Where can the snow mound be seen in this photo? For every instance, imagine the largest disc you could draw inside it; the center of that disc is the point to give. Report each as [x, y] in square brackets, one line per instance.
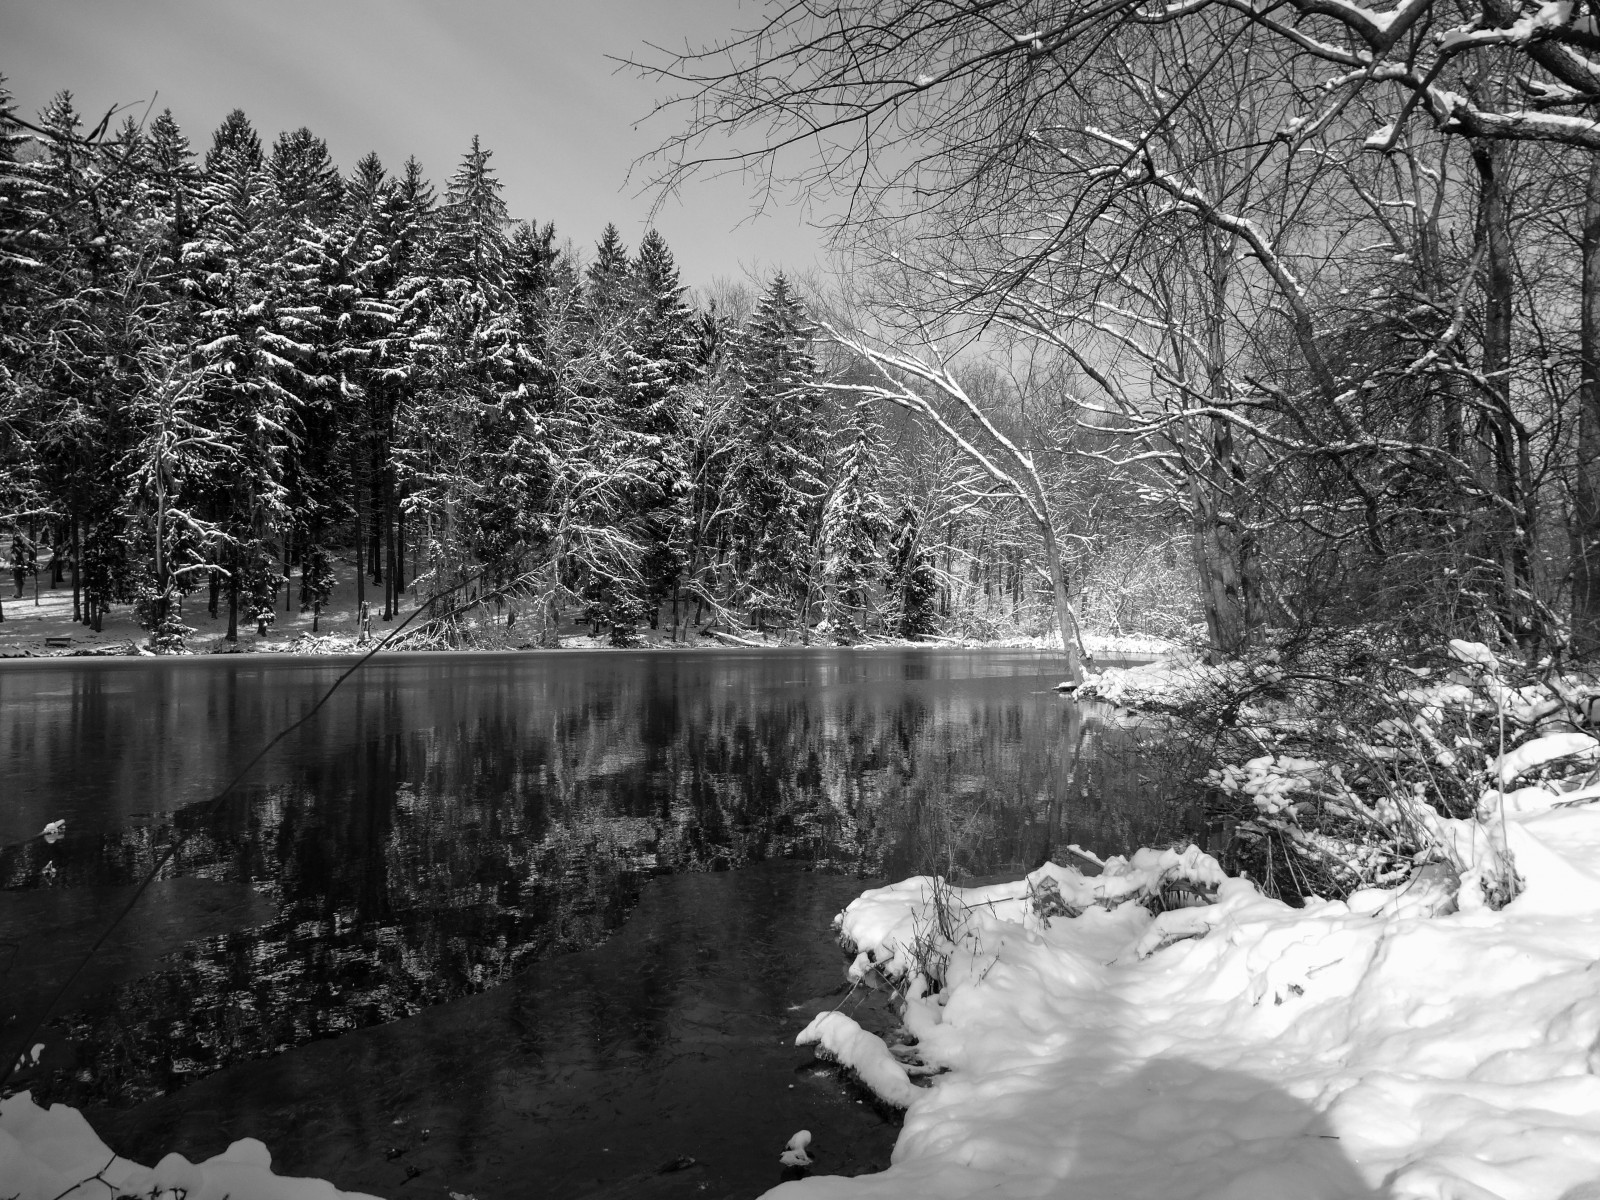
[1243, 1048]
[53, 1154]
[1166, 684]
[851, 1046]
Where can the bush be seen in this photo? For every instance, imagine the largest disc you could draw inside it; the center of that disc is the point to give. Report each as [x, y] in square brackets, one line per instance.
[1340, 762]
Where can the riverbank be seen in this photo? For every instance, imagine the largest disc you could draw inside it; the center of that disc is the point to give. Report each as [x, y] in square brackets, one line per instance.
[40, 625]
[1243, 1048]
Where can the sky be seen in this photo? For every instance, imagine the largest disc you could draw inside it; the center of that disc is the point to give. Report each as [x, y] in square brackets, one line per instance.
[404, 77]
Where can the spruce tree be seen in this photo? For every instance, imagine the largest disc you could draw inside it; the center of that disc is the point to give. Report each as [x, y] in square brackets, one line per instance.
[911, 586]
[255, 340]
[855, 525]
[777, 487]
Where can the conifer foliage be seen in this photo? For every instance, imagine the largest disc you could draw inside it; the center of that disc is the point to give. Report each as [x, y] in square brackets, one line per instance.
[223, 376]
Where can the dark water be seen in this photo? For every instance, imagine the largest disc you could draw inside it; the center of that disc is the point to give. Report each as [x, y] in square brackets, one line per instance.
[643, 851]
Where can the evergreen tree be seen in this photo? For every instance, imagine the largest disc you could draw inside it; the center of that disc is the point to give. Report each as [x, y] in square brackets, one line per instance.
[80, 334]
[657, 362]
[911, 586]
[254, 343]
[171, 189]
[317, 255]
[855, 524]
[777, 487]
[398, 349]
[606, 279]
[473, 482]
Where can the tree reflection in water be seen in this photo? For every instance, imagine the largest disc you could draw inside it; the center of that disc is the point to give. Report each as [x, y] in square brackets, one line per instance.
[454, 820]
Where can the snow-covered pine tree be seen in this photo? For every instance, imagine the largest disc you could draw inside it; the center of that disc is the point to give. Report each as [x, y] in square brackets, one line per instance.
[855, 526]
[256, 352]
[171, 189]
[606, 464]
[19, 474]
[82, 291]
[397, 344]
[778, 486]
[658, 363]
[317, 259]
[605, 279]
[910, 585]
[476, 485]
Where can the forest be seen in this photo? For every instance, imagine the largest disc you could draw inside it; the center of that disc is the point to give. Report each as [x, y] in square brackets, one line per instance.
[1194, 328]
[1308, 287]
[225, 375]
[1318, 285]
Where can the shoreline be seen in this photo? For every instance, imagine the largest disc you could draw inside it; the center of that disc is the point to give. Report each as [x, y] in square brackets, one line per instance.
[118, 646]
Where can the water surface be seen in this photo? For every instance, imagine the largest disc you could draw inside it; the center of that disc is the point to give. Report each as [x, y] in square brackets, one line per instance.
[319, 964]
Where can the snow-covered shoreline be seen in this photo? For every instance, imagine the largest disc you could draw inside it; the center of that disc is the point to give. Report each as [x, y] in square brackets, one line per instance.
[344, 647]
[1244, 1048]
[53, 1154]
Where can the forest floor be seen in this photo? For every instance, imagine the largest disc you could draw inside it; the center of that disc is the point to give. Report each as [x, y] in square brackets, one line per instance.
[40, 625]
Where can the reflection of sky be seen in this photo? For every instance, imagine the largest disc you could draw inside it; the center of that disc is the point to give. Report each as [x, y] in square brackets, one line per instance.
[405, 77]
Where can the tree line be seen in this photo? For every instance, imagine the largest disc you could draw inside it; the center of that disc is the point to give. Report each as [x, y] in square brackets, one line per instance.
[220, 371]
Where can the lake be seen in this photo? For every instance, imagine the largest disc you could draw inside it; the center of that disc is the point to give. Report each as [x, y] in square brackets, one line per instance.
[514, 924]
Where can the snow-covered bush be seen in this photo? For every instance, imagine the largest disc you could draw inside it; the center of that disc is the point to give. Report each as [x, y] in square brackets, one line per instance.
[1339, 764]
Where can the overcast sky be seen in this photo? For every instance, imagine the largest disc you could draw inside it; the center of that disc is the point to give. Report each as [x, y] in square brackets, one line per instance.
[530, 77]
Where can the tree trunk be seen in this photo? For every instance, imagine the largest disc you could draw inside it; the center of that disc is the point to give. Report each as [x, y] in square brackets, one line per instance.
[391, 589]
[1509, 537]
[233, 595]
[1066, 619]
[77, 577]
[361, 570]
[1586, 478]
[375, 524]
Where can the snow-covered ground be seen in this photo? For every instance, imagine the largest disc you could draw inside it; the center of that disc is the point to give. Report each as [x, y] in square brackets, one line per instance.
[35, 625]
[37, 617]
[1244, 1048]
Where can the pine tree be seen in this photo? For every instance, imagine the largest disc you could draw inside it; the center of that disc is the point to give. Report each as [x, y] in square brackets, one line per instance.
[911, 586]
[606, 283]
[855, 525]
[472, 482]
[318, 302]
[657, 362]
[79, 336]
[254, 341]
[777, 487]
[171, 191]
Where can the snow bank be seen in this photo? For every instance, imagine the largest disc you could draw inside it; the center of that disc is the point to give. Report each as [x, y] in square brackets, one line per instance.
[1166, 684]
[1244, 1048]
[842, 1040]
[53, 1154]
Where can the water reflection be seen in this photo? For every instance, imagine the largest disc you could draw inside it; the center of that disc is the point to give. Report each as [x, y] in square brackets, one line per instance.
[451, 820]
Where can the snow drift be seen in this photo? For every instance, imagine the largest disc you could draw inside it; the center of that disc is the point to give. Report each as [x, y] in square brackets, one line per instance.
[1242, 1048]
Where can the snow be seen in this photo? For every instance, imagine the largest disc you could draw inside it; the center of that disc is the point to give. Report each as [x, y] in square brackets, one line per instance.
[1244, 1048]
[841, 1039]
[1537, 752]
[33, 620]
[53, 1154]
[794, 1154]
